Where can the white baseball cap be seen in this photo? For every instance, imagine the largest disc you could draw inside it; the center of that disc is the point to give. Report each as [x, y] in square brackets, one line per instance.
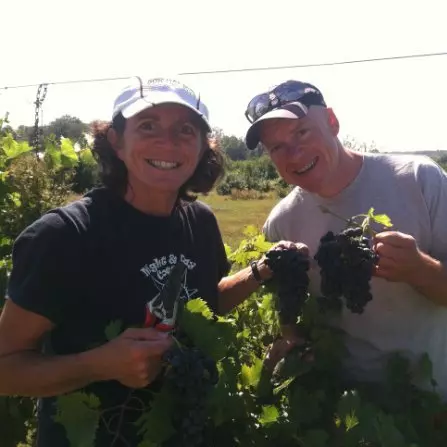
[139, 96]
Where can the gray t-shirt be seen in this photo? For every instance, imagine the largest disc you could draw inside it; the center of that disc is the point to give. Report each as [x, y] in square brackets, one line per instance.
[412, 191]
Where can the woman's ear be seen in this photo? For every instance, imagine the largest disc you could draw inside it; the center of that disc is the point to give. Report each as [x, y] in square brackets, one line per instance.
[114, 140]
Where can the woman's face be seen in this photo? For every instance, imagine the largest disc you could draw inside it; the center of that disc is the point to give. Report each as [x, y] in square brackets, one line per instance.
[161, 147]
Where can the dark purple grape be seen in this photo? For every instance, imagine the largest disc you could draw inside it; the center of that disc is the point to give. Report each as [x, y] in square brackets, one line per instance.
[290, 281]
[346, 263]
[192, 375]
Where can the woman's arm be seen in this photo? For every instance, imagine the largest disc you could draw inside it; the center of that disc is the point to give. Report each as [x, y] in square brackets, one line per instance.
[235, 289]
[133, 358]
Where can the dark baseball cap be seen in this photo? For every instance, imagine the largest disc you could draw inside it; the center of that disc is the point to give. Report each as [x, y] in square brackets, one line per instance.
[290, 99]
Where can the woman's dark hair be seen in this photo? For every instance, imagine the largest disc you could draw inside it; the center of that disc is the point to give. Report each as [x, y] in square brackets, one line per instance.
[113, 171]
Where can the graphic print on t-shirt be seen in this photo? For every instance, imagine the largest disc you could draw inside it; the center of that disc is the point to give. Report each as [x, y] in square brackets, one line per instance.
[158, 271]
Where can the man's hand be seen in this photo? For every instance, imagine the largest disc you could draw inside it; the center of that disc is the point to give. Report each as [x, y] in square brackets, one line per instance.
[283, 345]
[279, 349]
[133, 358]
[400, 258]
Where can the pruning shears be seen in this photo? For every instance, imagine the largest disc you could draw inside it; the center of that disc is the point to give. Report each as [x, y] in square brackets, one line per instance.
[161, 312]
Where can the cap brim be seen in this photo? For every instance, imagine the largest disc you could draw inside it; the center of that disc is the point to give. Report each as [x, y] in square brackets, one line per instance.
[252, 135]
[157, 99]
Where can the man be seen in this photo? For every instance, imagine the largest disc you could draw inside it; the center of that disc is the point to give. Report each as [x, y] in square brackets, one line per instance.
[408, 312]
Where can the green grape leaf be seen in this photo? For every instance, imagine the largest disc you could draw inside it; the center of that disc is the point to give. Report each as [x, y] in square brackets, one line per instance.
[305, 405]
[69, 157]
[79, 414]
[196, 320]
[269, 414]
[13, 148]
[15, 198]
[383, 219]
[261, 244]
[155, 425]
[252, 373]
[250, 231]
[228, 250]
[199, 306]
[387, 432]
[53, 156]
[113, 329]
[349, 403]
[86, 156]
[315, 438]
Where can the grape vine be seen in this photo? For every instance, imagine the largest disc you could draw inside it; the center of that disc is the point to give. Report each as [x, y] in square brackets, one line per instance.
[29, 186]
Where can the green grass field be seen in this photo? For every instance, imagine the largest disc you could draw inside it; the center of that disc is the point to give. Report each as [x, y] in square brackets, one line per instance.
[234, 215]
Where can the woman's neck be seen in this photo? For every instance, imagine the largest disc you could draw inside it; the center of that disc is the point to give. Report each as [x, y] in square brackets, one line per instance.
[153, 202]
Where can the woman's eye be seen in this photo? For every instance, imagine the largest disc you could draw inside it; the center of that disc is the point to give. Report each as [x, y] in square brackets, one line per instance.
[188, 129]
[147, 125]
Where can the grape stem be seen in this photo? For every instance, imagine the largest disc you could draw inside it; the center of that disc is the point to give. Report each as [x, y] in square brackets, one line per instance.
[179, 345]
[365, 225]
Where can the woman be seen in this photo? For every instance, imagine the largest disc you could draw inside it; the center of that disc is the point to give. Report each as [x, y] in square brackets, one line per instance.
[105, 257]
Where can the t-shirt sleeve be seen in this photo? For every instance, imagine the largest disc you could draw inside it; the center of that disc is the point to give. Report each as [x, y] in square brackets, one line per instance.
[269, 230]
[43, 267]
[215, 240]
[223, 264]
[433, 181]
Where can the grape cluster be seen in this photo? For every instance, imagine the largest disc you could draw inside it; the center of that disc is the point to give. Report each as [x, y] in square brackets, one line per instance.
[289, 267]
[192, 375]
[346, 264]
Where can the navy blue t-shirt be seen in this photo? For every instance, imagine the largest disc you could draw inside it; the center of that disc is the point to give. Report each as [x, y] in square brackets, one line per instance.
[97, 260]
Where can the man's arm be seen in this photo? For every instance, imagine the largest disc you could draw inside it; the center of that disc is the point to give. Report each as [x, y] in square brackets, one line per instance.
[400, 257]
[431, 280]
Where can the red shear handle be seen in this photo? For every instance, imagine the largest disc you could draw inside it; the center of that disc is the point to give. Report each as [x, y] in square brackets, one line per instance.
[151, 321]
[163, 327]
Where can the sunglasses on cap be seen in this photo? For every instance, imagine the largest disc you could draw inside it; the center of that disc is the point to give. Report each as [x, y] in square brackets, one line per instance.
[282, 94]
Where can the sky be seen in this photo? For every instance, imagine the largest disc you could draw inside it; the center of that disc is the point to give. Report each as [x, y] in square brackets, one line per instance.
[397, 105]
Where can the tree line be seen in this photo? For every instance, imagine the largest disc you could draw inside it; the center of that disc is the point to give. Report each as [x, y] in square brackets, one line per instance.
[249, 174]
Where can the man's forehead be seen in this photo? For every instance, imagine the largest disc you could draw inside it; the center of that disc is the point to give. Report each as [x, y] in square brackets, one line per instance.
[277, 128]
[279, 124]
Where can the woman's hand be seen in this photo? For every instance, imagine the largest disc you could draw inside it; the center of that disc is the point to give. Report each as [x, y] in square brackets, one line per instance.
[134, 358]
[265, 271]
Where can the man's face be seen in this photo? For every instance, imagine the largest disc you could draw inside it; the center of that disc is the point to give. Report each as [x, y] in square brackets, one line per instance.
[304, 150]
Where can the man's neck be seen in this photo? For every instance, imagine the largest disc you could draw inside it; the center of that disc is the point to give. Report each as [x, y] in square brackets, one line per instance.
[349, 166]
